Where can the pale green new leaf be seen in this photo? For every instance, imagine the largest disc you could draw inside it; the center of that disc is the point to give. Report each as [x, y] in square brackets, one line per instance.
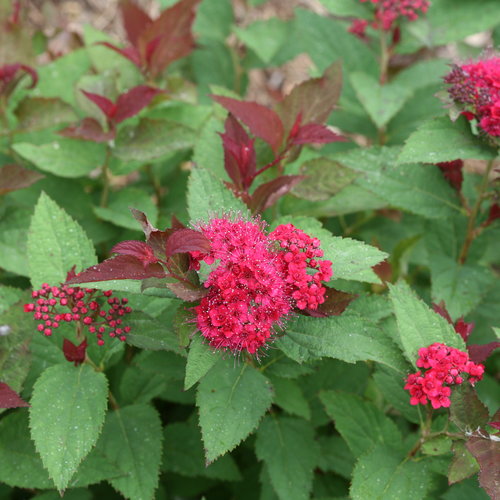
[360, 422]
[231, 401]
[290, 453]
[418, 325]
[132, 436]
[66, 416]
[199, 361]
[56, 243]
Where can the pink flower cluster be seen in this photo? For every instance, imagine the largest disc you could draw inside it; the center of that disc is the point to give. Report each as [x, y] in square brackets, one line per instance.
[387, 13]
[253, 285]
[476, 88]
[82, 307]
[445, 365]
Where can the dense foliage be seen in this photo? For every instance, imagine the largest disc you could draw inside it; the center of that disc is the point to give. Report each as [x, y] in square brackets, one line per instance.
[205, 296]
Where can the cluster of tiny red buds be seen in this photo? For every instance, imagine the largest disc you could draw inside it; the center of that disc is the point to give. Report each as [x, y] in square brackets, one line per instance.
[65, 304]
[475, 87]
[444, 365]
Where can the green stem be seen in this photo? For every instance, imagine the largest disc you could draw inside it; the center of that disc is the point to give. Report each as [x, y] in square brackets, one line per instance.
[105, 178]
[471, 224]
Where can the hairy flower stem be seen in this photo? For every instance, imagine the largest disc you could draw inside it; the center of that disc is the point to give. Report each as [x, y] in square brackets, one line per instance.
[105, 178]
[471, 224]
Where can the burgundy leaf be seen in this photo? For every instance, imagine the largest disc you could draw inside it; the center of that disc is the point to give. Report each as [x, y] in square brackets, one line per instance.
[14, 177]
[10, 398]
[313, 99]
[74, 353]
[88, 129]
[158, 242]
[452, 171]
[442, 311]
[270, 192]
[467, 411]
[262, 122]
[143, 220]
[239, 153]
[104, 104]
[187, 240]
[383, 270]
[493, 214]
[464, 329]
[315, 133]
[130, 103]
[135, 20]
[480, 352]
[176, 223]
[137, 249]
[187, 293]
[131, 53]
[335, 304]
[121, 267]
[487, 452]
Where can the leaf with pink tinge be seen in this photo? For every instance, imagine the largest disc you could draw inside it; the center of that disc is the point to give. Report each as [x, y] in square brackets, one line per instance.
[88, 129]
[480, 352]
[269, 193]
[464, 329]
[9, 398]
[487, 452]
[133, 101]
[135, 20]
[14, 177]
[138, 249]
[187, 240]
[262, 122]
[121, 267]
[104, 104]
[315, 133]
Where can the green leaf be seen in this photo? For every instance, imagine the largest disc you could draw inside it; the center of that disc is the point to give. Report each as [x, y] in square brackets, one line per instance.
[290, 453]
[183, 454]
[152, 140]
[335, 456]
[231, 401]
[349, 338]
[200, 359]
[214, 19]
[132, 437]
[13, 240]
[440, 140]
[439, 445]
[289, 396]
[118, 210]
[207, 197]
[343, 8]
[381, 102]
[66, 418]
[208, 152]
[463, 465]
[383, 473]
[466, 409]
[9, 296]
[324, 178]
[56, 243]
[63, 157]
[418, 325]
[360, 422]
[38, 113]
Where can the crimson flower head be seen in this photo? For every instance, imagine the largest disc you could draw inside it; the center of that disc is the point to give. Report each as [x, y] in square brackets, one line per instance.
[475, 88]
[445, 366]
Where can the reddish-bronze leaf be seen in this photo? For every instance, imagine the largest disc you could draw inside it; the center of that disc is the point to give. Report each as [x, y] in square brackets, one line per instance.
[138, 249]
[131, 53]
[464, 329]
[335, 304]
[466, 409]
[104, 104]
[480, 352]
[135, 20]
[442, 311]
[121, 267]
[14, 177]
[463, 464]
[75, 353]
[315, 133]
[143, 220]
[383, 270]
[88, 129]
[133, 101]
[262, 122]
[187, 240]
[186, 292]
[10, 398]
[487, 452]
[270, 192]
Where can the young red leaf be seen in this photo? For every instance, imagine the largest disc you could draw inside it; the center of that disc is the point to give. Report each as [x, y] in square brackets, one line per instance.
[104, 104]
[131, 53]
[315, 133]
[133, 101]
[335, 304]
[143, 220]
[187, 240]
[137, 249]
[121, 267]
[8, 73]
[74, 353]
[464, 329]
[383, 270]
[262, 122]
[486, 451]
[480, 352]
[14, 177]
[270, 192]
[442, 311]
[493, 214]
[88, 129]
[10, 398]
[135, 20]
[239, 153]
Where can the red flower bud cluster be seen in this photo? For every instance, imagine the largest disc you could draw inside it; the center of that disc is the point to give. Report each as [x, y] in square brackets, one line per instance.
[387, 13]
[444, 365]
[82, 306]
[254, 285]
[476, 88]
